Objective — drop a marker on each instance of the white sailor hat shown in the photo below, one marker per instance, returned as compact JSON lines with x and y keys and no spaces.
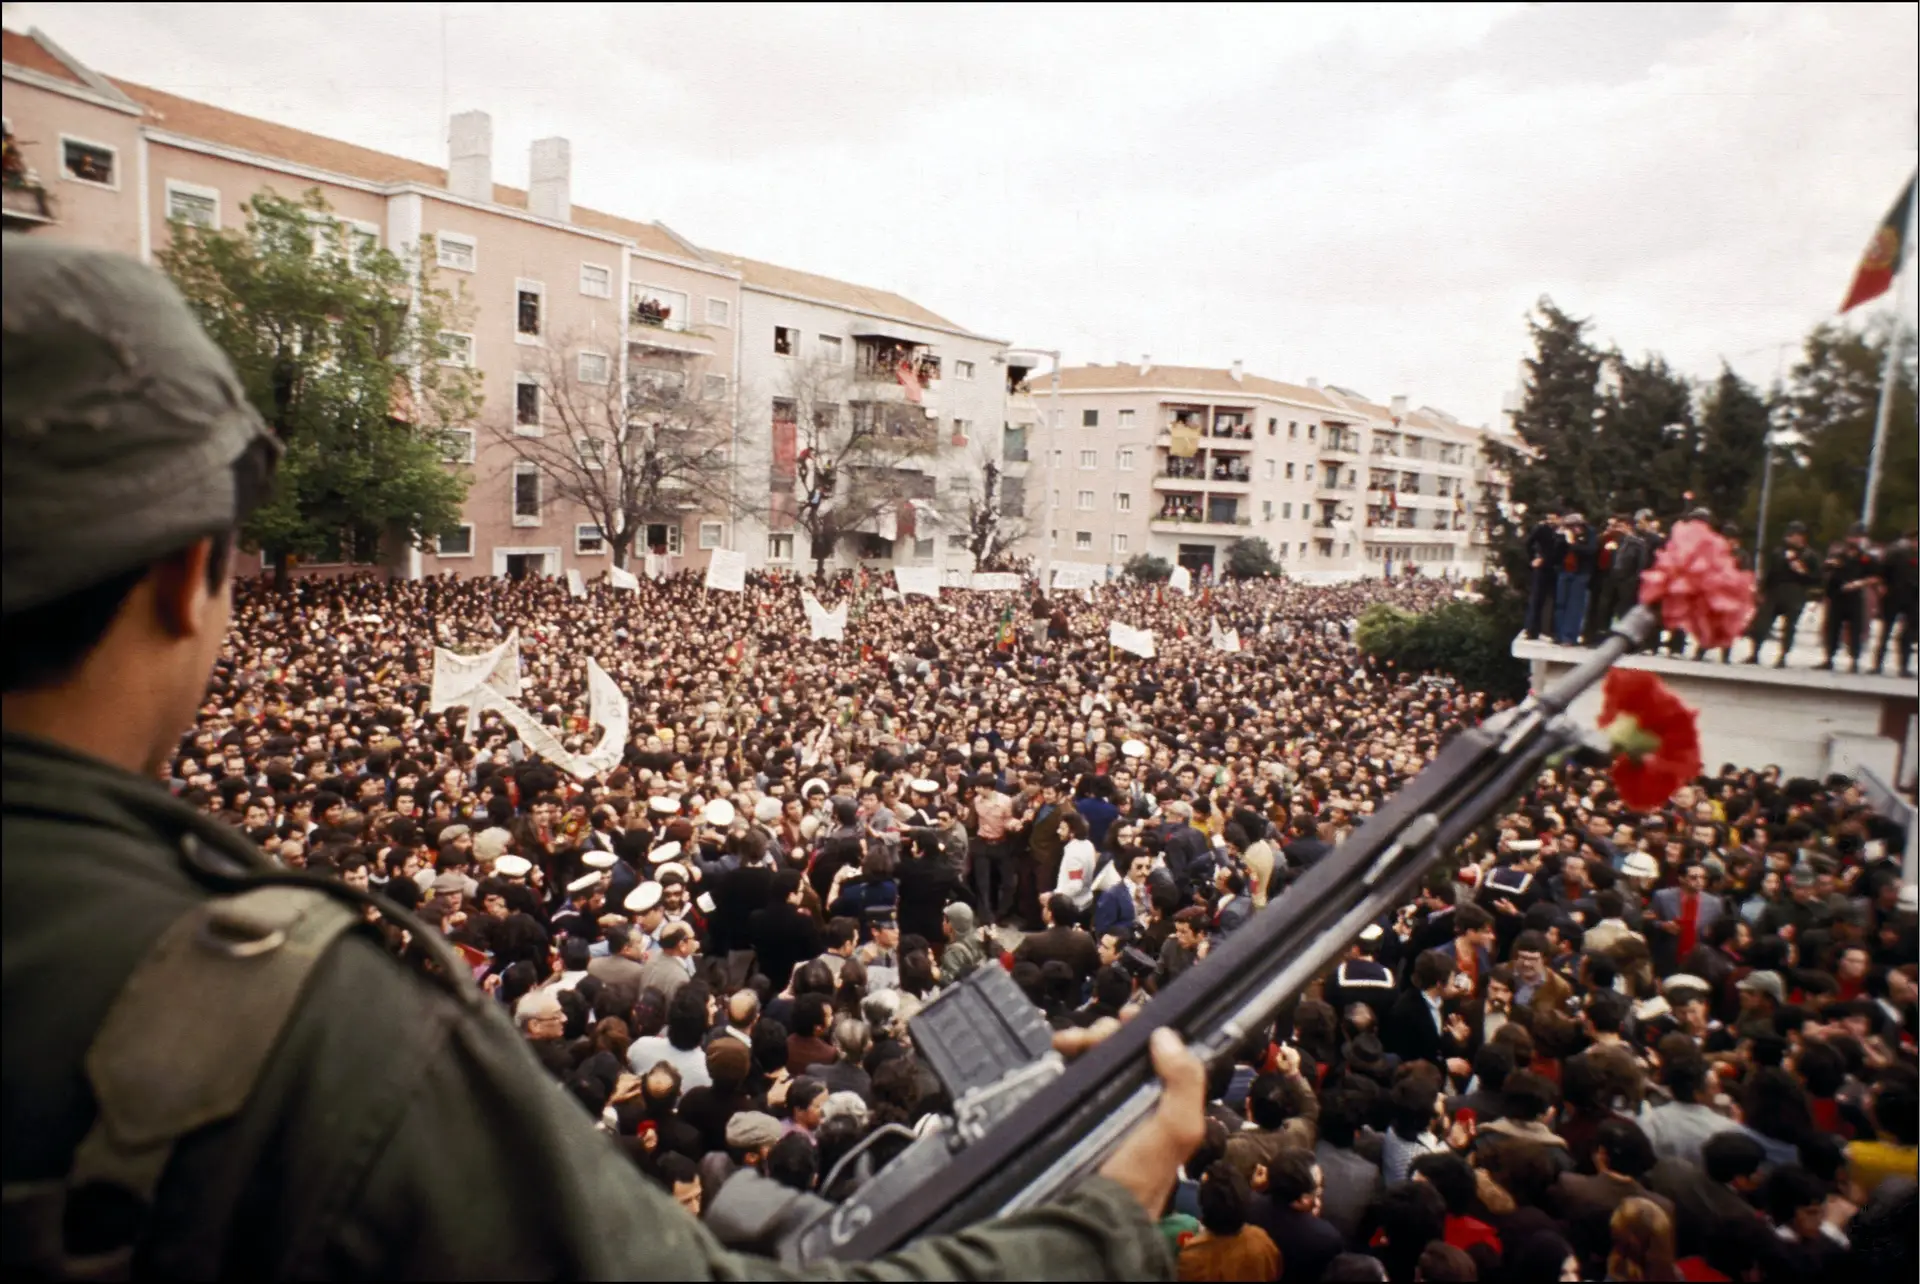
{"x":512,"y":866}
{"x":767,"y":810}
{"x":664,"y":852}
{"x":924,"y":786}
{"x":643,"y":898}
{"x":720,"y":813}
{"x":663,"y":805}
{"x":586,"y":882}
{"x":1371,"y":932}
{"x":598,"y":860}
{"x":1134,"y":748}
{"x":673,"y":867}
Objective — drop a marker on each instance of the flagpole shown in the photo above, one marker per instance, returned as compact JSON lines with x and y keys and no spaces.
{"x":1887,"y":377}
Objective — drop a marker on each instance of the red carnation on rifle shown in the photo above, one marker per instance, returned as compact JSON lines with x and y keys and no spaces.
{"x":1658,"y":737}
{"x":1700,"y":589}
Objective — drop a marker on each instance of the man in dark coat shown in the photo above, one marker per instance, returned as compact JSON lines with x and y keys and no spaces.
{"x":1417,"y":1020}
{"x":783,"y":934}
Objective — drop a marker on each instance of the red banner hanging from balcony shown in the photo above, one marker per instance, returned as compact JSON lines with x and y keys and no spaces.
{"x":786,"y":440}
{"x":909,"y":379}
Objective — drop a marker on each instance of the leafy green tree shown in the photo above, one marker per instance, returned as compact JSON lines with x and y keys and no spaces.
{"x":1734,"y":420}
{"x":1648,"y":439}
{"x":1459,"y":638}
{"x":1825,"y":414}
{"x":1145,"y":568}
{"x":1557,"y":416}
{"x":339,"y":345}
{"x":1251,"y":558}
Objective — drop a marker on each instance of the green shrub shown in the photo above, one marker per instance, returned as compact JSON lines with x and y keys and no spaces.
{"x":1148,"y":569}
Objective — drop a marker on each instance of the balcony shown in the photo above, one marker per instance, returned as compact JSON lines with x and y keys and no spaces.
{"x":1234,"y":529}
{"x":24,"y":206}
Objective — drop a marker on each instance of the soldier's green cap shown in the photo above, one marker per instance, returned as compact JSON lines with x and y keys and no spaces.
{"x":122,"y":421}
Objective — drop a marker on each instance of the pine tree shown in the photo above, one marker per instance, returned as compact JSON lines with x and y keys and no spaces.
{"x":1734,"y":421}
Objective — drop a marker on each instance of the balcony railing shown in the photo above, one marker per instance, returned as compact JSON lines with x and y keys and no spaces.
{"x":1015,"y":454}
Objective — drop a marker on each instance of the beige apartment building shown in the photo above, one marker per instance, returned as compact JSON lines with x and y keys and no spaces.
{"x":1180,"y":461}
{"x":550,"y":291}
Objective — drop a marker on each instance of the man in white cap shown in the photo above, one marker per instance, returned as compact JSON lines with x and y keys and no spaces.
{"x":643,"y":905}
{"x":576,"y":916}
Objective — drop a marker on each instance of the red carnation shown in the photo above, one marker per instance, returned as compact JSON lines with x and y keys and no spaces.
{"x":1658,"y":737}
{"x":1700,"y":588}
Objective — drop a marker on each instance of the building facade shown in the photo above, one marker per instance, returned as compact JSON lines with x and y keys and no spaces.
{"x":554,"y":300}
{"x":1181,"y":461}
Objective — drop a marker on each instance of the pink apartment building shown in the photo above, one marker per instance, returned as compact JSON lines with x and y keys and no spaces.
{"x":108,"y":162}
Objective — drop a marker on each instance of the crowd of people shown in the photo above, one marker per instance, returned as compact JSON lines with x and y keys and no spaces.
{"x":1601,"y":1043}
{"x":1583,"y":578}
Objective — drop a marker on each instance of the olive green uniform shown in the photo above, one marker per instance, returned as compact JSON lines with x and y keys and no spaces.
{"x":398,"y":1129}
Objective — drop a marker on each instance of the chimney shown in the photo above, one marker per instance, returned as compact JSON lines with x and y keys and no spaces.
{"x":548,"y":180}
{"x":470,"y":156}
{"x":1400,"y":407}
{"x":1146,"y":362}
{"x":1237,"y":372}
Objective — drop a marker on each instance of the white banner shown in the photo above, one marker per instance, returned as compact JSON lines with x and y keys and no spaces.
{"x":607,"y":706}
{"x":1225,"y":639}
{"x":1181,"y":581}
{"x":621,"y":578}
{"x":457,"y":678}
{"x":655,"y":566}
{"x":995,"y":582}
{"x":824,"y":625}
{"x":924,"y":580}
{"x":576,"y":586}
{"x":1078,"y":575}
{"x":1131,"y":640}
{"x":727,"y":571}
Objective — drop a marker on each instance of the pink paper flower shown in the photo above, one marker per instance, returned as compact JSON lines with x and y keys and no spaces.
{"x":1699,"y":587}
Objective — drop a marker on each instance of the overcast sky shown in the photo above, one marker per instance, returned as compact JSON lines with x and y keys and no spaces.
{"x":1370,"y":194}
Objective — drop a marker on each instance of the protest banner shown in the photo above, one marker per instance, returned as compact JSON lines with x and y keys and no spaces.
{"x":1134,"y":641}
{"x":727,"y":572}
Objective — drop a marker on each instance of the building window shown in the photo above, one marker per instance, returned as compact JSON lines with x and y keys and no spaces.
{"x":1266,"y":510}
{"x":456,"y":349}
{"x":588,"y":541}
{"x":1084,"y":501}
{"x":526,"y":405}
{"x":526,"y":495}
{"x":1273,"y":426}
{"x":1056,"y":499}
{"x":1089,"y":458}
{"x":713,"y":534}
{"x":1289,"y":472}
{"x":529,"y":310}
{"x":1122,"y":502}
{"x":595,"y":367}
{"x":86,"y":162}
{"x":719,"y":312}
{"x":1273,"y":467}
{"x":831,"y":349}
{"x":786,"y":341}
{"x":592,"y":452}
{"x":963,"y":370}
{"x":923,"y":549}
{"x":362,"y":239}
{"x":1293,"y":430}
{"x":456,"y":445}
{"x":188,"y":203}
{"x":714,"y":387}
{"x":452,"y":250}
{"x":1312,"y":431}
{"x":1286,"y":512}
{"x":457,"y":542}
{"x":962,"y":431}
{"x":1089,"y":418}
{"x":780,"y":546}
{"x":1126,"y":420}
{"x":656,"y":383}
{"x":1123,"y":460}
{"x":596,"y":280}
{"x":1309,"y":467}
{"x":663,"y":309}
{"x":1119,"y":543}
{"x":1083,"y":539}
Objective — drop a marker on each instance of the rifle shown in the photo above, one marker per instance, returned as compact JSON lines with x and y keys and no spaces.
{"x":1026,"y":1126}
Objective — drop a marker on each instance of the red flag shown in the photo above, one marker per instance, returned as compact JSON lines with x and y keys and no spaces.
{"x":909,"y":379}
{"x":1874,"y":276}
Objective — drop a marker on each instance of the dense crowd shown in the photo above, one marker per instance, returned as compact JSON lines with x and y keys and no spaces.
{"x":1601,"y":1043}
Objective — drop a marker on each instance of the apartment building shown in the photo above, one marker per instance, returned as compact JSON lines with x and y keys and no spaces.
{"x":550,"y":291}
{"x":1180,"y":461}
{"x":814,"y":346}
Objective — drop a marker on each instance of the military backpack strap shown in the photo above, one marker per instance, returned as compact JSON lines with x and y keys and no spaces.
{"x":182,"y":1047}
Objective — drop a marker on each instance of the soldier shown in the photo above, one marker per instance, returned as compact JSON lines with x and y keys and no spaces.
{"x":236,"y":1077}
{"x":1540,"y":545}
{"x":1784,"y":585}
{"x":1851,"y":571}
{"x":1897,"y":608}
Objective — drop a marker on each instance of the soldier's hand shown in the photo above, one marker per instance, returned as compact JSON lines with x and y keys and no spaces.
{"x":1148,"y":1161}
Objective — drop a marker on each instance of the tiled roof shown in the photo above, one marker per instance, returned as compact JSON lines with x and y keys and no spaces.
{"x":858,"y":298}
{"x":1198,"y":379}
{"x":23,"y":50}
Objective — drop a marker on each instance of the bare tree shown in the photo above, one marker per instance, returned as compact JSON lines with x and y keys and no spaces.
{"x":847,"y":454}
{"x":649,"y":452}
{"x":992,"y":509}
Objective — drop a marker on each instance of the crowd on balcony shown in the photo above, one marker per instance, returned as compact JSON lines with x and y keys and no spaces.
{"x":1181,"y":508}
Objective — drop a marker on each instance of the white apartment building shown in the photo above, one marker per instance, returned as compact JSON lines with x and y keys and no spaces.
{"x":808,"y":337}
{"x":1180,"y":461}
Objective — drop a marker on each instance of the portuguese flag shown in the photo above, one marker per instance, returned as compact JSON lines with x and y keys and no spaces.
{"x":1003,"y":640}
{"x":1874,"y":276}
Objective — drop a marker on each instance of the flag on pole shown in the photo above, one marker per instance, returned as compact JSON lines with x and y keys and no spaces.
{"x":1881,"y":262}
{"x":1003,"y":636}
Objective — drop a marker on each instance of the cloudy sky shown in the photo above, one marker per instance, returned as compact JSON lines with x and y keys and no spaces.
{"x":1370,"y":194}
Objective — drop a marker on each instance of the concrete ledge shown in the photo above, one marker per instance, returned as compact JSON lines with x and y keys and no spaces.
{"x":1795,"y":675}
